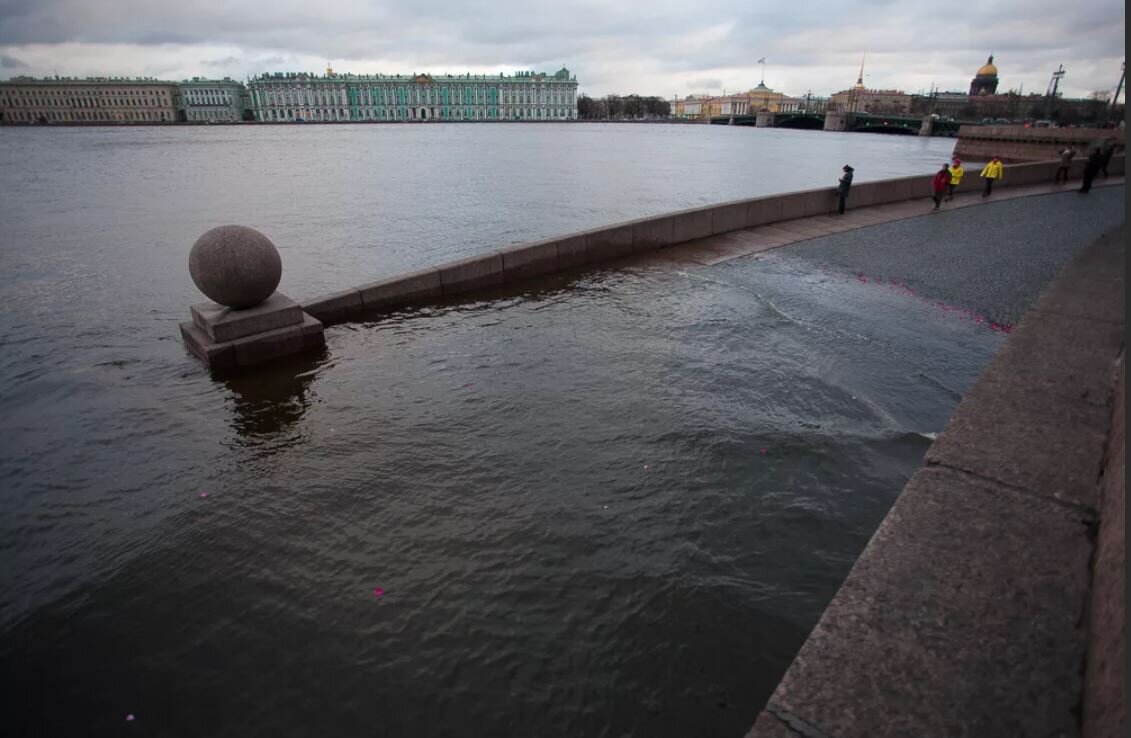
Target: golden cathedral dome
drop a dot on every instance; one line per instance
(988, 69)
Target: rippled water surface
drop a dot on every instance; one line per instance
(610, 503)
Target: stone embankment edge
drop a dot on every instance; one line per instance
(986, 604)
(521, 262)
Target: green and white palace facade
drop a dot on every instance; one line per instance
(524, 96)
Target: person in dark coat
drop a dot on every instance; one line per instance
(1092, 168)
(1106, 153)
(842, 188)
(940, 184)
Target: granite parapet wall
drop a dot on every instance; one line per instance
(525, 261)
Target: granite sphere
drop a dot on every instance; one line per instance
(235, 266)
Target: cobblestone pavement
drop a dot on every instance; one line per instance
(994, 259)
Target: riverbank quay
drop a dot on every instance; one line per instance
(746, 227)
(1020, 144)
(991, 599)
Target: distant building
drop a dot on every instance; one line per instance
(207, 100)
(985, 80)
(751, 102)
(689, 107)
(859, 99)
(90, 100)
(874, 102)
(525, 96)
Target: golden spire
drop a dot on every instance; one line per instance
(329, 70)
(860, 79)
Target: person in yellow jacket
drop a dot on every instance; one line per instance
(990, 172)
(956, 173)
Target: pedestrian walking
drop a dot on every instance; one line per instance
(940, 184)
(842, 187)
(1092, 168)
(991, 172)
(956, 174)
(1066, 158)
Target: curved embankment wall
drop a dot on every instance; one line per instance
(517, 263)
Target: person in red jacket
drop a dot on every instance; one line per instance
(940, 184)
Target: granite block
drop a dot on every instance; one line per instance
(465, 275)
(728, 217)
(954, 621)
(652, 233)
(572, 251)
(308, 336)
(223, 324)
(762, 211)
(690, 225)
(1004, 431)
(609, 243)
(402, 290)
(335, 308)
(529, 260)
(1029, 359)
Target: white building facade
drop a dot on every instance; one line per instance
(208, 100)
(524, 96)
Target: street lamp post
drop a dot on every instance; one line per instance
(1118, 89)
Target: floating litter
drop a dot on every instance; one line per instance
(762, 451)
(378, 592)
(130, 718)
(203, 494)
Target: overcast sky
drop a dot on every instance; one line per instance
(657, 47)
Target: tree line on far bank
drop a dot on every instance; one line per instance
(618, 107)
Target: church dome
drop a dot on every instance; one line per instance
(988, 69)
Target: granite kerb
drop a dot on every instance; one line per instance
(953, 621)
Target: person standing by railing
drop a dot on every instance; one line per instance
(939, 185)
(1092, 168)
(1066, 157)
(991, 172)
(842, 187)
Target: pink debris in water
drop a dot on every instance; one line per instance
(378, 592)
(203, 494)
(762, 451)
(130, 718)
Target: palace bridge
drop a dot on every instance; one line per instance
(855, 122)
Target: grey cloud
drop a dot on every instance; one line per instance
(705, 84)
(11, 62)
(227, 61)
(713, 40)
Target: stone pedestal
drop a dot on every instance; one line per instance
(765, 119)
(226, 338)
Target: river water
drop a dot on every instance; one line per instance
(603, 504)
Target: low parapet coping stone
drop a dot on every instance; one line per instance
(966, 612)
(618, 240)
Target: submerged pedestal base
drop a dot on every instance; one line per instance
(225, 338)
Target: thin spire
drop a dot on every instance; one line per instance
(860, 79)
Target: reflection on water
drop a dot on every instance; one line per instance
(272, 398)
